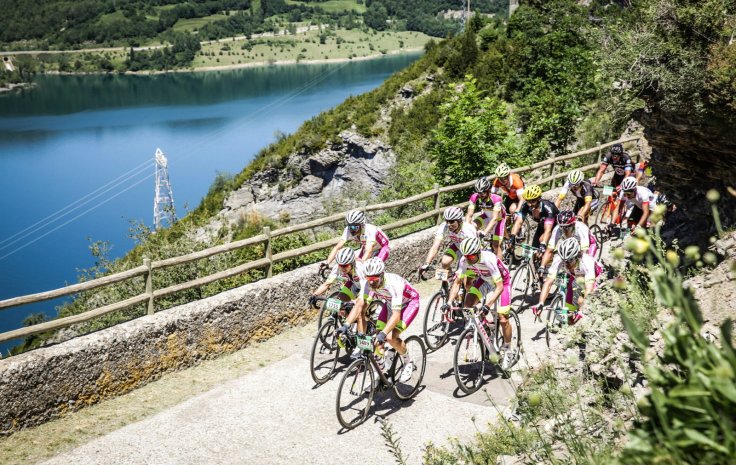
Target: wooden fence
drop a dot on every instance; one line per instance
(149, 294)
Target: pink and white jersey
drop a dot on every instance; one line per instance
(494, 202)
(488, 267)
(466, 230)
(338, 275)
(369, 233)
(582, 233)
(396, 291)
(586, 267)
(643, 196)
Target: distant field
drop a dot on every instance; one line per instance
(353, 43)
(192, 24)
(333, 5)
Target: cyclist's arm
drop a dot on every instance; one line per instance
(471, 210)
(548, 227)
(599, 174)
(644, 216)
(639, 175)
(497, 290)
(456, 284)
(548, 253)
(357, 309)
(433, 250)
(494, 220)
(394, 319)
(517, 223)
(334, 250)
(545, 289)
(586, 207)
(367, 251)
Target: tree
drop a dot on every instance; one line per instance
(376, 17)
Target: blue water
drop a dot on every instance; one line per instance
(76, 155)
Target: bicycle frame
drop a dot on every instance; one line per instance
(479, 328)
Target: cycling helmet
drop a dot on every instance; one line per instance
(569, 249)
(617, 149)
(453, 214)
(503, 170)
(575, 177)
(628, 184)
(482, 185)
(663, 200)
(470, 245)
(374, 267)
(345, 256)
(355, 217)
(532, 192)
(566, 218)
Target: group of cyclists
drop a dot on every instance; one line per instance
(474, 241)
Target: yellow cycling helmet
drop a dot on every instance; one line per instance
(503, 170)
(532, 192)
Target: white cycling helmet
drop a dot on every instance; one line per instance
(482, 185)
(569, 249)
(453, 214)
(355, 217)
(470, 245)
(374, 267)
(345, 256)
(628, 184)
(503, 170)
(575, 177)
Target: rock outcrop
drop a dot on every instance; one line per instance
(353, 164)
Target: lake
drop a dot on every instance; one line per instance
(76, 154)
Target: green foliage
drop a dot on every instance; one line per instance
(473, 136)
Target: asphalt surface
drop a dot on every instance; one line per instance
(276, 415)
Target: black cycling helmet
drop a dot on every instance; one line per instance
(566, 218)
(617, 149)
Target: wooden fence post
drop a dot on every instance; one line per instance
(600, 152)
(437, 202)
(551, 173)
(149, 283)
(269, 254)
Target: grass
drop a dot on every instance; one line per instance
(333, 6)
(194, 24)
(306, 46)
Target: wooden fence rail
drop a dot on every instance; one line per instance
(146, 270)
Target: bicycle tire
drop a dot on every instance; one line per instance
(406, 391)
(551, 321)
(514, 344)
(324, 341)
(597, 232)
(520, 297)
(323, 309)
(433, 310)
(469, 340)
(602, 212)
(356, 374)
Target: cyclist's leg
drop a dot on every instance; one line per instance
(635, 215)
(593, 247)
(498, 232)
(449, 256)
(474, 295)
(383, 253)
(504, 306)
(570, 295)
(538, 234)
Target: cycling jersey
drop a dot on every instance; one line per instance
(545, 213)
(583, 191)
(644, 167)
(643, 196)
(369, 233)
(489, 268)
(582, 233)
(493, 202)
(350, 282)
(513, 188)
(466, 230)
(620, 166)
(586, 267)
(399, 295)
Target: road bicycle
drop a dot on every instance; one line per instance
(605, 215)
(359, 383)
(326, 346)
(439, 315)
(557, 311)
(481, 342)
(526, 281)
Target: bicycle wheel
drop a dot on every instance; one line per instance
(514, 342)
(597, 232)
(355, 394)
(323, 312)
(469, 361)
(418, 358)
(552, 324)
(435, 325)
(325, 352)
(521, 288)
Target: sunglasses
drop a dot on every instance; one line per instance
(567, 227)
(453, 221)
(629, 193)
(533, 203)
(347, 265)
(372, 279)
(354, 227)
(472, 257)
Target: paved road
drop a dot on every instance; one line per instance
(276, 415)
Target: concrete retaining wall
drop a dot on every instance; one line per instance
(52, 381)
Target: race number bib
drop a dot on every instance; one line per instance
(333, 305)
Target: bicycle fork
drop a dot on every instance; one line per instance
(478, 329)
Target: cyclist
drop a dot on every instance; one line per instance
(643, 168)
(542, 211)
(640, 199)
(367, 234)
(493, 216)
(454, 229)
(487, 268)
(512, 185)
(568, 226)
(586, 197)
(621, 162)
(575, 265)
(347, 272)
(401, 301)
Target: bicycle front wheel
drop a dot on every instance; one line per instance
(597, 233)
(417, 362)
(521, 288)
(325, 352)
(323, 312)
(553, 323)
(469, 361)
(513, 352)
(355, 394)
(435, 325)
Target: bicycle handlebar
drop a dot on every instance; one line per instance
(420, 272)
(323, 270)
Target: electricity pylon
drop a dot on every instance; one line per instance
(163, 202)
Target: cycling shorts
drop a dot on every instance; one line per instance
(504, 301)
(381, 253)
(498, 230)
(409, 311)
